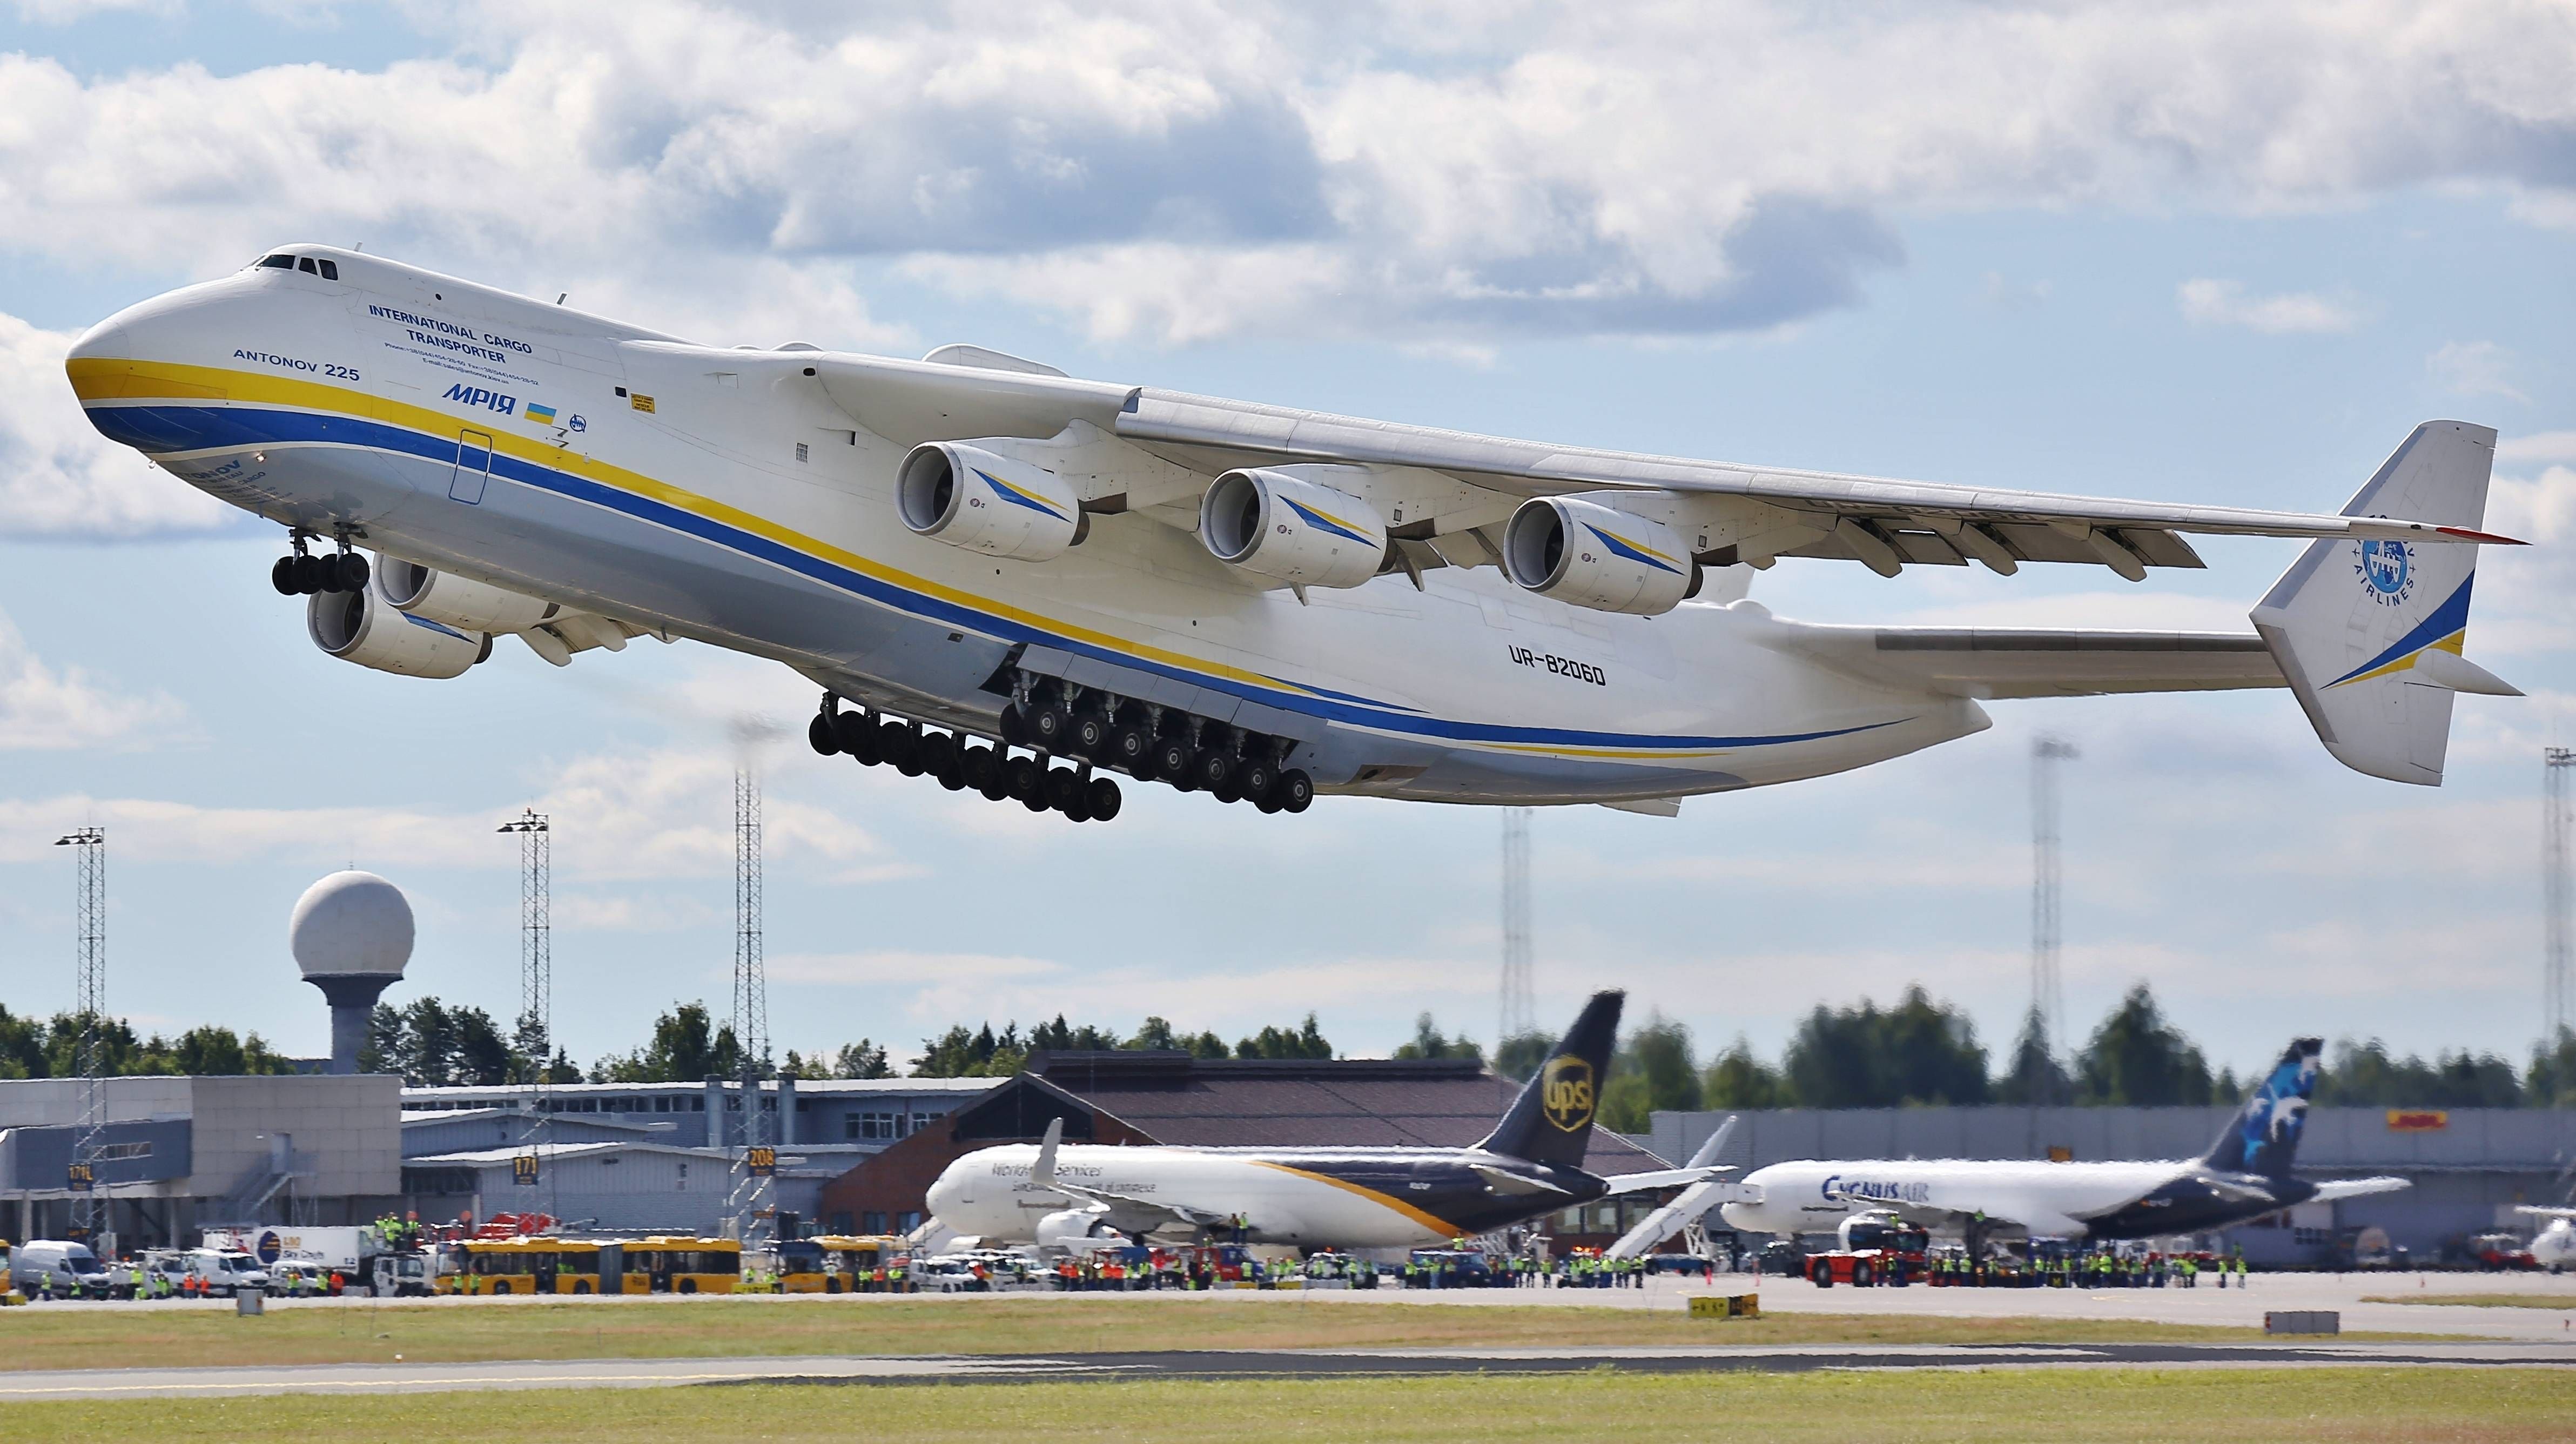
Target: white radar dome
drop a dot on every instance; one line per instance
(351, 923)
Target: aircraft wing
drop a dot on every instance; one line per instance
(1445, 494)
(1444, 481)
(2537, 1211)
(1992, 662)
(1125, 1211)
(1654, 1179)
(2358, 1187)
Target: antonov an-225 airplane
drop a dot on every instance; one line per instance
(1251, 600)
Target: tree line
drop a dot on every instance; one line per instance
(1917, 1051)
(1923, 1052)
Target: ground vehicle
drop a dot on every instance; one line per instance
(1874, 1248)
(520, 1266)
(57, 1268)
(1455, 1268)
(670, 1265)
(296, 1278)
(216, 1270)
(948, 1274)
(401, 1275)
(850, 1261)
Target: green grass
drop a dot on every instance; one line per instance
(68, 1336)
(2419, 1406)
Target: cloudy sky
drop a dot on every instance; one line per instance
(2223, 252)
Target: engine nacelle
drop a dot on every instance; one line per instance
(467, 606)
(1591, 556)
(1077, 1230)
(359, 627)
(1287, 528)
(969, 497)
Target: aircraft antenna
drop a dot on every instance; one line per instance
(2558, 893)
(537, 981)
(1519, 1011)
(2047, 985)
(89, 987)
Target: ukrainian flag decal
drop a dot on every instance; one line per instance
(542, 415)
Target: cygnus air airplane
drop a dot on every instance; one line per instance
(1251, 600)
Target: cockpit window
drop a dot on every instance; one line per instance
(278, 262)
(330, 270)
(308, 268)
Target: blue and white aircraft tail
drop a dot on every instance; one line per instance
(2263, 1137)
(2369, 633)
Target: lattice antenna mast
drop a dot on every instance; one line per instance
(2558, 893)
(750, 969)
(89, 988)
(537, 977)
(1518, 1013)
(2047, 985)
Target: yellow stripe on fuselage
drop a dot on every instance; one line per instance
(109, 380)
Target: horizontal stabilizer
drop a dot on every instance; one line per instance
(2334, 1189)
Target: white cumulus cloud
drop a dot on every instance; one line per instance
(58, 476)
(2225, 303)
(50, 708)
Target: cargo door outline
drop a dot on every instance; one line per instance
(473, 467)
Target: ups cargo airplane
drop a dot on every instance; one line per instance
(1251, 600)
(1061, 1195)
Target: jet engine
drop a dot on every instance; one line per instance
(1284, 527)
(468, 606)
(360, 627)
(1077, 1230)
(968, 497)
(1585, 553)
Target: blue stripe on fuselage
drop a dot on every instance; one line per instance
(197, 428)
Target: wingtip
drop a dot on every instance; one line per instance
(2484, 538)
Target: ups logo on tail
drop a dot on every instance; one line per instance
(1566, 1093)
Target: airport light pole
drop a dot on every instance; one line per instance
(2047, 919)
(535, 831)
(89, 987)
(2558, 893)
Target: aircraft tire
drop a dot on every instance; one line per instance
(1267, 802)
(1103, 799)
(1022, 779)
(282, 576)
(348, 573)
(1047, 728)
(979, 766)
(1062, 787)
(898, 746)
(1170, 760)
(1132, 747)
(822, 736)
(1255, 778)
(1091, 732)
(1014, 727)
(1294, 790)
(1211, 767)
(308, 576)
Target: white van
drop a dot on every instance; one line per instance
(57, 1268)
(220, 1270)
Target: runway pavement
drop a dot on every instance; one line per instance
(32, 1387)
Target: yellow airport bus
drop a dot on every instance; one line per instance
(667, 1265)
(538, 1265)
(833, 1263)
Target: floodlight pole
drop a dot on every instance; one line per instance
(89, 987)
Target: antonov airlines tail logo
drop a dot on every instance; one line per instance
(1567, 1093)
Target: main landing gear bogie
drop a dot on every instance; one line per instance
(302, 574)
(958, 763)
(1059, 724)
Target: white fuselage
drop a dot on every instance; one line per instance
(2554, 1247)
(1279, 1194)
(1811, 1196)
(752, 509)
